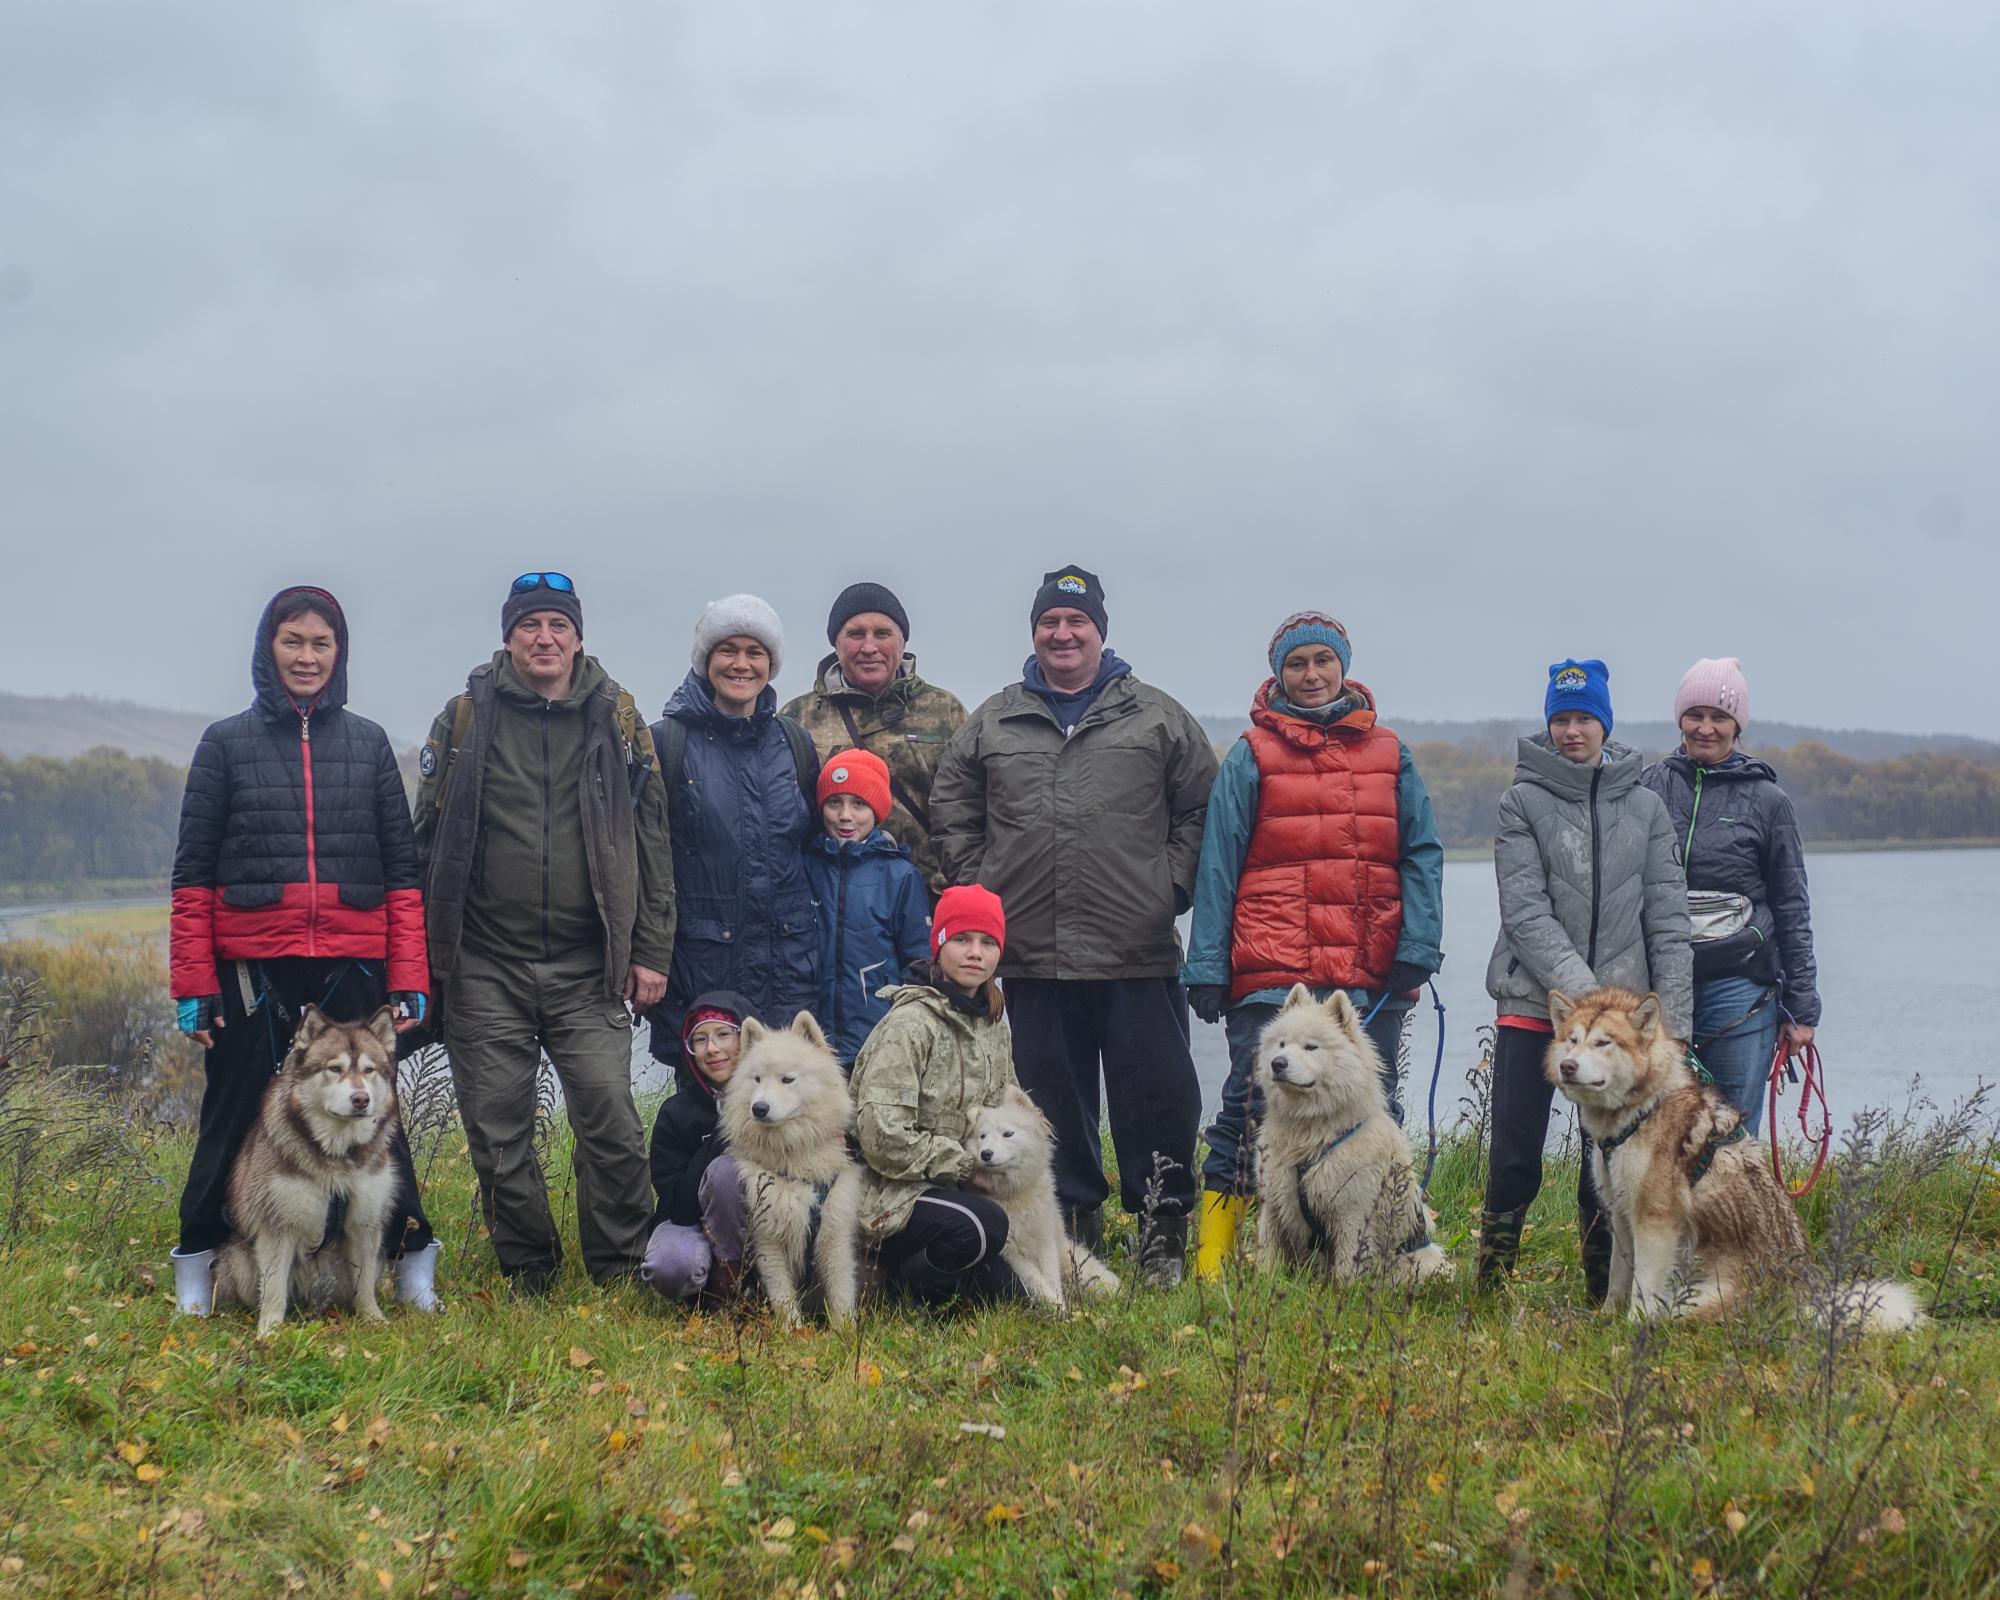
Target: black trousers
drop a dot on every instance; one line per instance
(961, 1235)
(1520, 1111)
(1135, 1031)
(246, 1056)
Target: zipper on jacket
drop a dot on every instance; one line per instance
(548, 804)
(312, 855)
(1687, 845)
(839, 942)
(1596, 862)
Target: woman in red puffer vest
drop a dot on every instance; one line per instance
(1320, 864)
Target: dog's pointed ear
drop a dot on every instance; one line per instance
(1341, 1009)
(383, 1027)
(1019, 1098)
(312, 1023)
(753, 1030)
(807, 1028)
(1648, 1016)
(1560, 1007)
(1300, 996)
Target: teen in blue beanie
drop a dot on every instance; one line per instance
(1579, 686)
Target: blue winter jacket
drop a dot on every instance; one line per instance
(874, 922)
(744, 911)
(1225, 839)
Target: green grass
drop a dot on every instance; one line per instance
(123, 922)
(1270, 1436)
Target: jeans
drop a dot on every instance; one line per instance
(1230, 1165)
(1736, 1035)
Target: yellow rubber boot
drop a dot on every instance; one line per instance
(1221, 1216)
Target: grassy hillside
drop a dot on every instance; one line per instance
(1268, 1436)
(65, 726)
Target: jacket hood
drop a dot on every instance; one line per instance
(1269, 712)
(694, 703)
(1735, 766)
(1538, 762)
(924, 997)
(271, 697)
(1110, 666)
(879, 843)
(829, 680)
(586, 676)
(741, 1007)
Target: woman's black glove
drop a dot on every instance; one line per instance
(1205, 1000)
(1407, 975)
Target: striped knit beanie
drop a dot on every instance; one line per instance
(1309, 627)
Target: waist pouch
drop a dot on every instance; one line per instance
(1715, 914)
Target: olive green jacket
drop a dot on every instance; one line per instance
(923, 1072)
(1092, 841)
(908, 725)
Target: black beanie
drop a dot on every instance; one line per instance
(858, 598)
(520, 602)
(1074, 588)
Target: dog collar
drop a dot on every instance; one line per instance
(1339, 1139)
(1714, 1146)
(1606, 1146)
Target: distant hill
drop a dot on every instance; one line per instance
(1497, 737)
(45, 725)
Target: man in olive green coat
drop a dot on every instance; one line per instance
(549, 900)
(1077, 795)
(867, 696)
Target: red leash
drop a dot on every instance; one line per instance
(1814, 1088)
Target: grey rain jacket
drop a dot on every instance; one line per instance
(1591, 891)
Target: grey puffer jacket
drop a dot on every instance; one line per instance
(1738, 833)
(1591, 891)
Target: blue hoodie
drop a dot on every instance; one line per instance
(874, 922)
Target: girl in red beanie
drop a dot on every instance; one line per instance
(940, 1054)
(874, 912)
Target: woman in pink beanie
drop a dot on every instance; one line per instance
(1754, 972)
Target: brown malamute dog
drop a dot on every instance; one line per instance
(1696, 1215)
(1335, 1182)
(322, 1135)
(1012, 1147)
(786, 1115)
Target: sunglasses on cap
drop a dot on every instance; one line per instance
(528, 582)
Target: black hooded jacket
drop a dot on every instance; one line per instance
(1738, 834)
(687, 1134)
(295, 837)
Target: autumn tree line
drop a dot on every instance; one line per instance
(109, 816)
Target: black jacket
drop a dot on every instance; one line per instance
(294, 836)
(1739, 834)
(687, 1133)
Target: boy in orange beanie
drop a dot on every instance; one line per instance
(874, 912)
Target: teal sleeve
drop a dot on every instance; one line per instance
(1422, 869)
(1225, 838)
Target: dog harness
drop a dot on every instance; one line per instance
(1316, 1235)
(1697, 1168)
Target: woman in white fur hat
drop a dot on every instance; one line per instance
(743, 787)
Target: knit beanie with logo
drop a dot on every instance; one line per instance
(1579, 686)
(968, 908)
(1309, 627)
(736, 614)
(860, 773)
(1719, 682)
(1074, 589)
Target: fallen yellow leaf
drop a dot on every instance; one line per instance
(1000, 1512)
(146, 1472)
(131, 1454)
(1733, 1519)
(580, 1357)
(617, 1441)
(783, 1528)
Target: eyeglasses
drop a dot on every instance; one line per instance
(712, 1033)
(528, 582)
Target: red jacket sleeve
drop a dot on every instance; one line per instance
(191, 945)
(409, 953)
(204, 815)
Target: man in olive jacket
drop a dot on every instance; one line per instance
(549, 900)
(1077, 795)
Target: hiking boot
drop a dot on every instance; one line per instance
(1596, 1232)
(924, 1282)
(536, 1281)
(1086, 1227)
(194, 1282)
(1221, 1217)
(1162, 1251)
(1499, 1246)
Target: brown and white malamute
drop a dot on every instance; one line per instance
(1336, 1187)
(321, 1141)
(1696, 1215)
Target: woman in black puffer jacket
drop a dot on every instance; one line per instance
(295, 883)
(1755, 978)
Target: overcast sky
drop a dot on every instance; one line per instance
(1504, 332)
